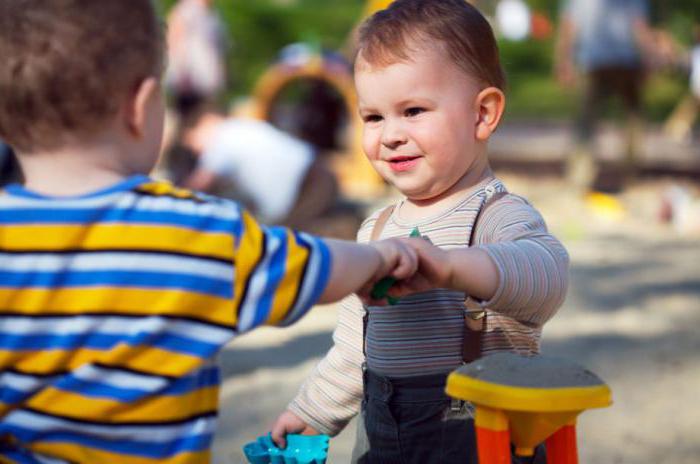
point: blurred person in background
(680, 123)
(197, 45)
(609, 42)
(274, 174)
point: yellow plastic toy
(527, 401)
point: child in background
(197, 44)
(279, 177)
(430, 89)
(116, 290)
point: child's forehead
(409, 55)
(402, 83)
(422, 62)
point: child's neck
(415, 210)
(74, 170)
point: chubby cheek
(457, 143)
(371, 143)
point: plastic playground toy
(301, 449)
(527, 401)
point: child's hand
(398, 261)
(287, 423)
(434, 269)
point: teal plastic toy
(381, 288)
(301, 449)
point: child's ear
(490, 104)
(136, 111)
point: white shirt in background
(264, 163)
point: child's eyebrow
(366, 109)
(412, 101)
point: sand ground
(632, 316)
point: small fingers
(407, 262)
(415, 283)
(286, 423)
(279, 436)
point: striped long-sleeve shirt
(423, 333)
(112, 308)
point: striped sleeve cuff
(316, 276)
(297, 408)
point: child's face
(420, 119)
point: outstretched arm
(564, 68)
(280, 273)
(356, 267)
(517, 267)
(470, 270)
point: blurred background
(609, 152)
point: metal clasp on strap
(475, 314)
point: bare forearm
(353, 266)
(645, 39)
(564, 42)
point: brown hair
(466, 36)
(68, 64)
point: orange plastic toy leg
(492, 436)
(561, 446)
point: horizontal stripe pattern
(117, 261)
(113, 306)
(140, 440)
(423, 333)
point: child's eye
(414, 111)
(372, 118)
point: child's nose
(393, 135)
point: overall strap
(381, 222)
(474, 314)
(374, 235)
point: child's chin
(415, 194)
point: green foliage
(662, 94)
(538, 96)
(260, 28)
(526, 57)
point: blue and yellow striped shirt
(112, 308)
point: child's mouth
(403, 163)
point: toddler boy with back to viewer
(117, 290)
